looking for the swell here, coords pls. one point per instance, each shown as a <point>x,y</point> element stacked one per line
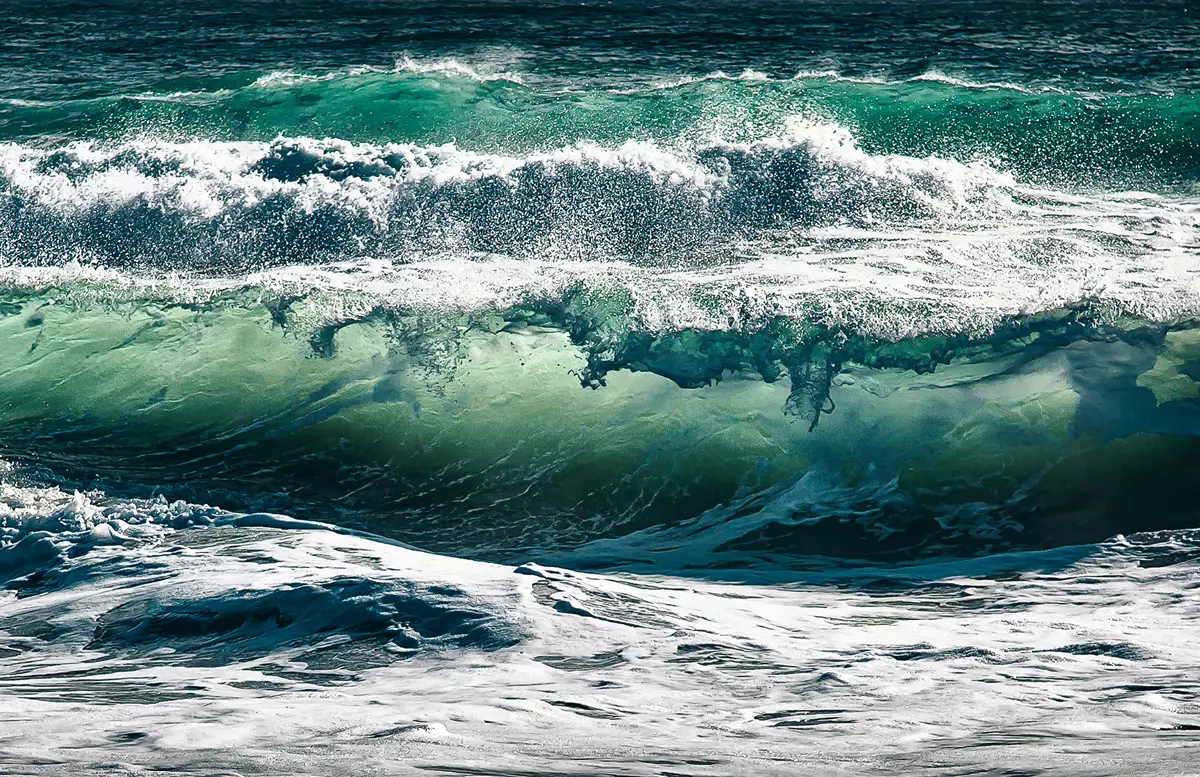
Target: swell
<point>1043,134</point>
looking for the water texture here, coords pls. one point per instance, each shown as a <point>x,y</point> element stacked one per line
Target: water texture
<point>607,388</point>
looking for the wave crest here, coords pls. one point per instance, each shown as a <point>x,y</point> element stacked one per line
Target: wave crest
<point>209,206</point>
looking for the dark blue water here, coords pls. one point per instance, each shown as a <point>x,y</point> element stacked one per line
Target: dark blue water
<point>60,50</point>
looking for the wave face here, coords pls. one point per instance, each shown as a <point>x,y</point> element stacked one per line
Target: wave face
<point>473,434</point>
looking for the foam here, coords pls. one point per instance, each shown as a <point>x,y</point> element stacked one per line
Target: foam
<point>301,650</point>
<point>784,222</point>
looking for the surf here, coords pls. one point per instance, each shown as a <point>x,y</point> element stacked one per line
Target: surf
<point>376,330</point>
<point>1042,132</point>
<point>504,436</point>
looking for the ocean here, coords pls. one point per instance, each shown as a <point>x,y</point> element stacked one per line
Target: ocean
<point>599,388</point>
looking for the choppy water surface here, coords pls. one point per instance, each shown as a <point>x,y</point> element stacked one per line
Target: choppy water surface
<point>509,389</point>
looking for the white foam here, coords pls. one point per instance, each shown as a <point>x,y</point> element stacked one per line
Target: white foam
<point>1069,654</point>
<point>981,245</point>
<point>445,66</point>
<point>450,66</point>
<point>938,77</point>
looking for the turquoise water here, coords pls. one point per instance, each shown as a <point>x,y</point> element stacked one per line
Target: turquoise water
<point>782,388</point>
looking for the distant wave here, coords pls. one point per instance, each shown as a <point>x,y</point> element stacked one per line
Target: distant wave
<point>1039,133</point>
<point>448,67</point>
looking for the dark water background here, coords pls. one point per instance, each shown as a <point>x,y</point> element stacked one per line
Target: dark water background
<point>58,50</point>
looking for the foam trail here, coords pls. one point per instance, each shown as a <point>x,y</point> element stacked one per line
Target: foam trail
<point>299,648</point>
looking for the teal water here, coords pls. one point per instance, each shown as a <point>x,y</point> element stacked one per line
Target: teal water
<point>1044,133</point>
<point>783,388</point>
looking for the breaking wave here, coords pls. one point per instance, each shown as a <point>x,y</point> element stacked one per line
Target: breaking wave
<point>205,206</point>
<point>738,341</point>
<point>1041,133</point>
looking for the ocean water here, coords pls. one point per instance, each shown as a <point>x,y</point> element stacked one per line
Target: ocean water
<point>599,388</point>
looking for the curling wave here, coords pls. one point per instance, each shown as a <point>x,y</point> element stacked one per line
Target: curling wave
<point>471,434</point>
<point>796,345</point>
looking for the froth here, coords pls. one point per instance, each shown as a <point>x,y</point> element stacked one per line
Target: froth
<point>709,234</point>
